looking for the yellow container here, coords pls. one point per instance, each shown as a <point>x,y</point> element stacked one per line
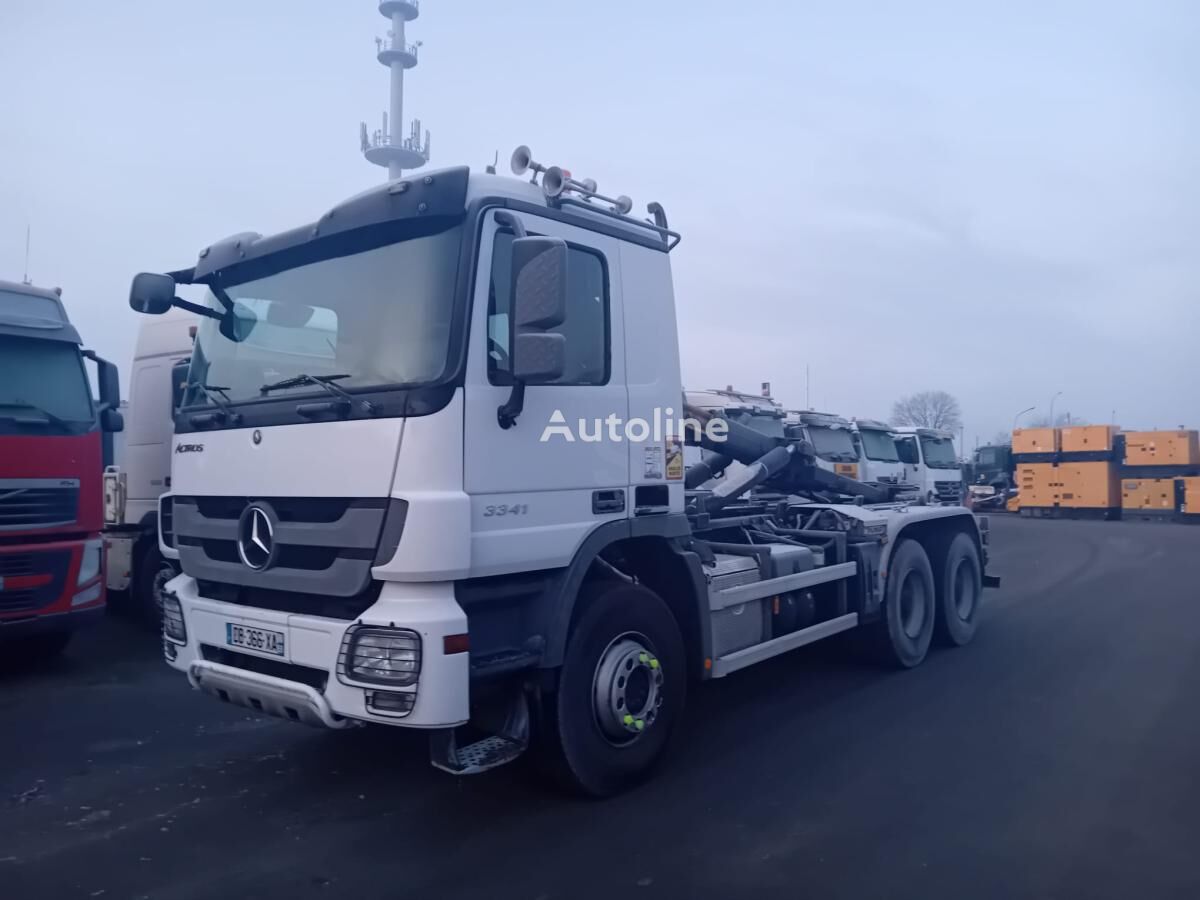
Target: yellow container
<point>1162,448</point>
<point>1039,484</point>
<point>1035,440</point>
<point>1090,485</point>
<point>1149,493</point>
<point>1087,438</point>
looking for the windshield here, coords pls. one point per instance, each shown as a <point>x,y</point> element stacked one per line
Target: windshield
<point>939,453</point>
<point>379,317</point>
<point>833,444</point>
<point>878,445</point>
<point>990,458</point>
<point>41,381</point>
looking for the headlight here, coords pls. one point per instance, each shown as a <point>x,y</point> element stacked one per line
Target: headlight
<point>381,655</point>
<point>172,619</point>
<point>89,561</point>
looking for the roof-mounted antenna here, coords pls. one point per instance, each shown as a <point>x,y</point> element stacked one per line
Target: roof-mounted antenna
<point>522,161</point>
<point>491,169</point>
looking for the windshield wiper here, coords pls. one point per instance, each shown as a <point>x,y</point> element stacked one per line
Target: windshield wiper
<point>220,398</point>
<point>325,382</point>
<point>51,418</point>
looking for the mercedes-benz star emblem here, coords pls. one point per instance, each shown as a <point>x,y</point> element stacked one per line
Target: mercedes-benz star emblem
<point>257,436</point>
<point>256,538</point>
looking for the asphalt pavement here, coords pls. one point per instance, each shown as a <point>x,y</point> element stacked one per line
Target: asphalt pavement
<point>1057,756</point>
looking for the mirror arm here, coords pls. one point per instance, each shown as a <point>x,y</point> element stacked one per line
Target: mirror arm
<point>507,414</point>
<point>198,308</point>
<point>504,217</point>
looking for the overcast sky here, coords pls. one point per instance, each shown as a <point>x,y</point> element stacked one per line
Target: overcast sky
<point>998,200</point>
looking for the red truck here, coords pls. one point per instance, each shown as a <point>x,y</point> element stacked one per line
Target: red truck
<point>52,440</point>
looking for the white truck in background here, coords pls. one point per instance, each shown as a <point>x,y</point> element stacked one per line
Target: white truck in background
<point>832,441</point>
<point>878,459</point>
<point>388,535</point>
<point>132,487</point>
<point>931,463</point>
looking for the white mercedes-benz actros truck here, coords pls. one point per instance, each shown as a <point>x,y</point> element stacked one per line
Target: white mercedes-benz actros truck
<point>428,474</point>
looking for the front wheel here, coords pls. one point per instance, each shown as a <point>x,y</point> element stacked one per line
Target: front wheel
<point>620,692</point>
<point>152,575</point>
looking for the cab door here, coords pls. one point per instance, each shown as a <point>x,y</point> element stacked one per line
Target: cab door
<point>538,488</point>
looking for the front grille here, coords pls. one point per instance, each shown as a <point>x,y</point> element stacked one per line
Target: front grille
<point>345,608</point>
<point>34,503</point>
<point>322,547</point>
<point>55,563</point>
<point>948,490</point>
<point>13,564</point>
<point>314,678</point>
<point>18,601</point>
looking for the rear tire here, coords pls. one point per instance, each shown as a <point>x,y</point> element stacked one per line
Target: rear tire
<point>959,592</point>
<point>620,692</point>
<point>903,635</point>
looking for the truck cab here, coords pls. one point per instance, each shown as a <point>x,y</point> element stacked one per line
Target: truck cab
<point>51,458</point>
<point>428,473</point>
<point>832,439</point>
<point>158,378</point>
<point>930,462</point>
<point>878,459</point>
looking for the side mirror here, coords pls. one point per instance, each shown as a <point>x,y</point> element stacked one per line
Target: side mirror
<point>539,358</point>
<point>151,293</point>
<point>111,420</point>
<point>108,380</point>
<point>539,305</point>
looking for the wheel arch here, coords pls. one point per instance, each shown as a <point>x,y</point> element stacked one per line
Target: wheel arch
<point>652,552</point>
<point>935,534</point>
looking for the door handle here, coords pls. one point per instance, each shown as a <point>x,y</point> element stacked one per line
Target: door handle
<point>612,501</point>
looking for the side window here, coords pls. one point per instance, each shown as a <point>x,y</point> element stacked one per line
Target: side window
<point>586,327</point>
<point>906,449</point>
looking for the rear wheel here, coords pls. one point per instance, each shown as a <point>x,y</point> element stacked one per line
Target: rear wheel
<point>903,635</point>
<point>959,591</point>
<point>620,692</point>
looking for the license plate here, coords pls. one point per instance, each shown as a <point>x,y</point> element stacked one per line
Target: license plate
<point>254,638</point>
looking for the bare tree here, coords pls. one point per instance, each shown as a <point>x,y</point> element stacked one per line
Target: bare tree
<point>928,409</point>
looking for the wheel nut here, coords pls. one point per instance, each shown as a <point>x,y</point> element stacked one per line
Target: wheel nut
<point>628,719</point>
<point>640,724</point>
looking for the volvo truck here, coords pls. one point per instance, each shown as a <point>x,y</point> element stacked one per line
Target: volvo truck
<point>51,459</point>
<point>427,473</point>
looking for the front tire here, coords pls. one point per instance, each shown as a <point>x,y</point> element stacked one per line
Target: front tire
<point>959,591</point>
<point>153,572</point>
<point>620,692</point>
<point>903,636</point>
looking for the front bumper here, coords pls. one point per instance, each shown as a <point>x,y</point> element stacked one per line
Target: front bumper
<point>305,684</point>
